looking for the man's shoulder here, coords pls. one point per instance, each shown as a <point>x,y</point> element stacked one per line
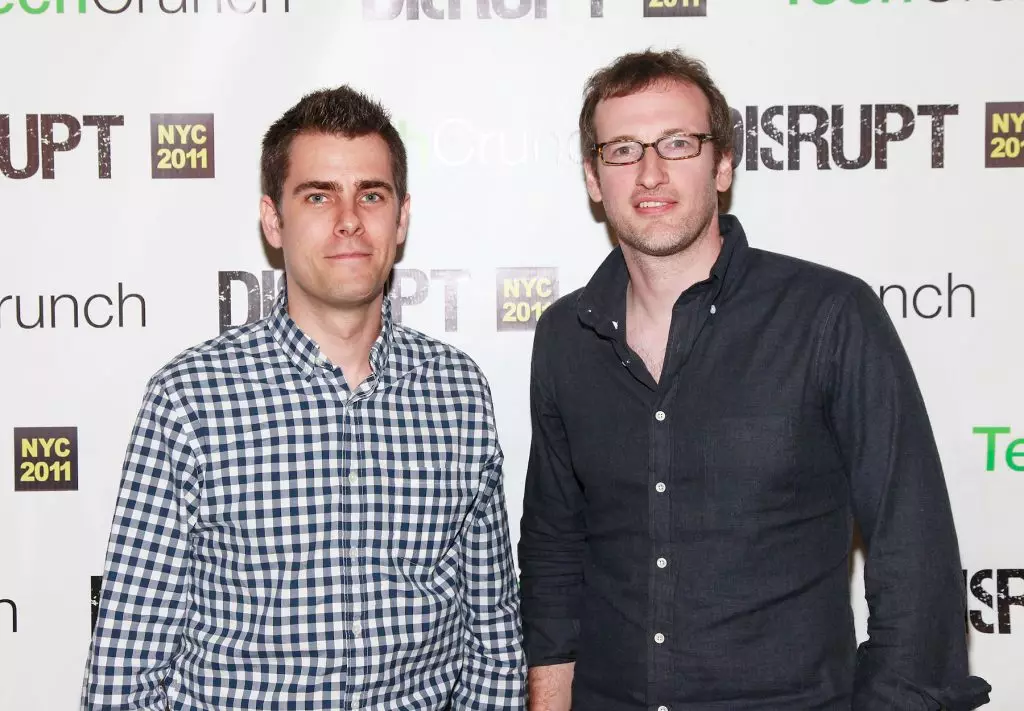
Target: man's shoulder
<point>233,351</point>
<point>565,308</point>
<point>803,276</point>
<point>561,314</point>
<point>414,350</point>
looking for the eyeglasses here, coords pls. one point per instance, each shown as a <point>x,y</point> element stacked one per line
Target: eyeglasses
<point>677,146</point>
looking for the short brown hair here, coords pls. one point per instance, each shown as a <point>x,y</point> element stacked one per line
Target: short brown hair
<point>634,72</point>
<point>341,111</point>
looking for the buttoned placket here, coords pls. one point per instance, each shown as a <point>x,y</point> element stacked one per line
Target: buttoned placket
<point>361,555</point>
<point>683,337</point>
<point>345,509</point>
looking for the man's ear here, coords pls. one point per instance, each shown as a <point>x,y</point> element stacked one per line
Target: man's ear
<point>403,219</point>
<point>270,219</point>
<point>593,180</point>
<point>723,173</point>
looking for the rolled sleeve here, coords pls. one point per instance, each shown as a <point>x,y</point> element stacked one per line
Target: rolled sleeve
<point>916,654</point>
<point>553,540</point>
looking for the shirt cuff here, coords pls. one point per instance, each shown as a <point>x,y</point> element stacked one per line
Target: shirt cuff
<point>550,641</point>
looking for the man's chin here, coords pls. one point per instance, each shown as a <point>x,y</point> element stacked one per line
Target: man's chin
<point>354,296</point>
<point>658,244</point>
<point>356,300</point>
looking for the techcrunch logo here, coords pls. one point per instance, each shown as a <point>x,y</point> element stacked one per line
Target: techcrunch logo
<point>165,7</point>
<point>929,300</point>
<point>1009,449</point>
<point>32,312</point>
<point>14,614</point>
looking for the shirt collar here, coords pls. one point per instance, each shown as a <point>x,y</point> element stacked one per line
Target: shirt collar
<point>303,351</point>
<point>602,304</point>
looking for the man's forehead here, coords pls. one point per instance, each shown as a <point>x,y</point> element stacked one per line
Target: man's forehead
<point>674,105</point>
<point>363,157</point>
<point>325,145</point>
<point>664,94</point>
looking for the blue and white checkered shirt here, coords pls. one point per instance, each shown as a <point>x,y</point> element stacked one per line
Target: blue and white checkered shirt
<point>282,542</point>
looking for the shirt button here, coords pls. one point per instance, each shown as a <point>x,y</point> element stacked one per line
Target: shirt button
<point>357,628</point>
<point>659,416</point>
<point>660,487</point>
<point>353,479</point>
<point>659,638</point>
<point>662,562</point>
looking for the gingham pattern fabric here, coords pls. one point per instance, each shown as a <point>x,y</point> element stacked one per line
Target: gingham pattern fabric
<point>281,542</point>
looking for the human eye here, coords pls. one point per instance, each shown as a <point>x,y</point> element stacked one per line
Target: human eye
<point>679,142</point>
<point>621,150</point>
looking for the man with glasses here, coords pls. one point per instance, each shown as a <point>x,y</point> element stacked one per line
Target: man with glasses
<point>710,420</point>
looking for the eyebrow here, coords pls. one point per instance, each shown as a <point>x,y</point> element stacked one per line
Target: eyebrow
<point>375,185</point>
<point>334,186</point>
<point>667,132</point>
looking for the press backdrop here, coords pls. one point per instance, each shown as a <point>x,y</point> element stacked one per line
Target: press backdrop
<point>882,138</point>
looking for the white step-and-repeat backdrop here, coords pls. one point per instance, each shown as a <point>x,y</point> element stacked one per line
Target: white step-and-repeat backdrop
<point>885,138</point>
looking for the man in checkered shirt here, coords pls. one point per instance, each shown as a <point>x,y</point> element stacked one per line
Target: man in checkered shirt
<point>311,514</point>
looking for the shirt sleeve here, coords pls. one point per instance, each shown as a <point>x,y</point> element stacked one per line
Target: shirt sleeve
<point>916,654</point>
<point>552,534</point>
<point>494,669</point>
<point>146,575</point>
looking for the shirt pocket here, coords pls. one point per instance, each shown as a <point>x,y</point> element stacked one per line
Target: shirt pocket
<point>427,507</point>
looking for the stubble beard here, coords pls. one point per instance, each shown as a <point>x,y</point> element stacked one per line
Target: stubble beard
<point>661,240</point>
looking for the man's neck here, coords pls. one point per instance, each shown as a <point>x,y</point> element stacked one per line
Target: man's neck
<point>655,283</point>
<point>345,336</point>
